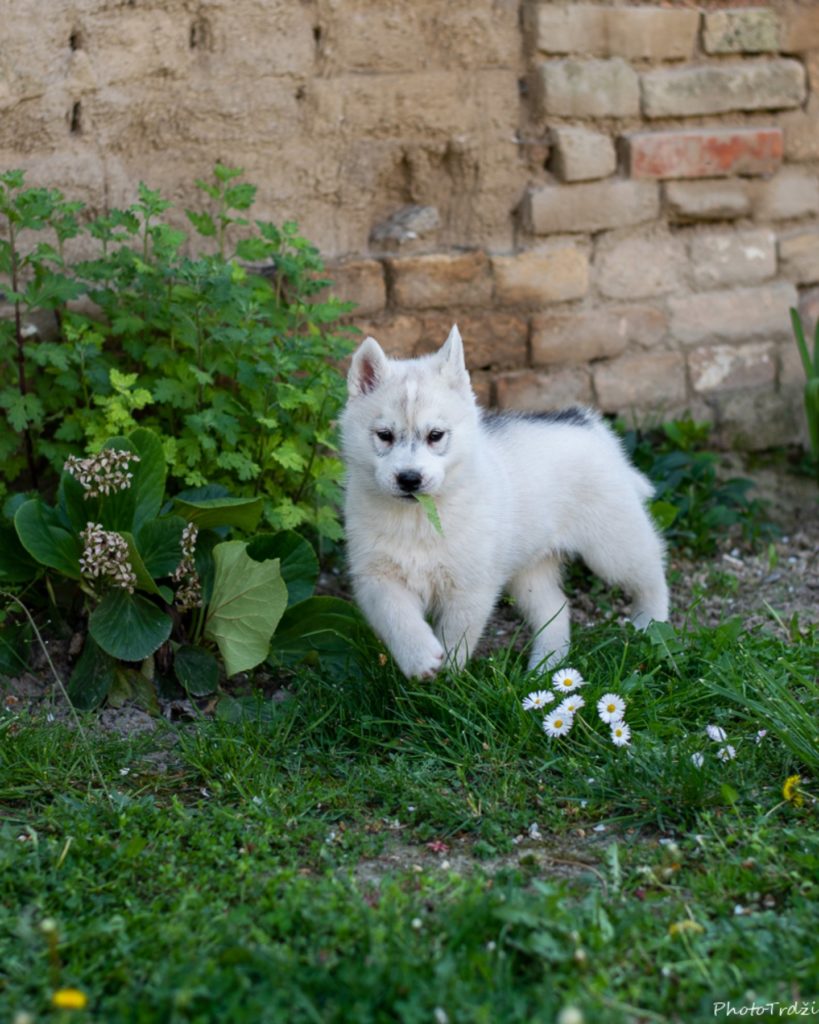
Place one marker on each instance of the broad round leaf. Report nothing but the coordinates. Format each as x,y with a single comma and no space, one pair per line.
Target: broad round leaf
160,544
196,669
211,512
247,602
16,564
129,626
92,677
298,562
45,538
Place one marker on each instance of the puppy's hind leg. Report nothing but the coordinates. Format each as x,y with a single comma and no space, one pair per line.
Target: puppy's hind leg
539,595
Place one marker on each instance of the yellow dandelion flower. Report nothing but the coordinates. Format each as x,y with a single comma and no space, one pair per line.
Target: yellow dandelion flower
69,999
686,925
790,790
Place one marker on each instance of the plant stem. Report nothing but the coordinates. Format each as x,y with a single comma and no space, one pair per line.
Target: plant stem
22,383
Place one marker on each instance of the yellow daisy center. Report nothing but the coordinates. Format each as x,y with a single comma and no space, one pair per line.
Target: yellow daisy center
558,723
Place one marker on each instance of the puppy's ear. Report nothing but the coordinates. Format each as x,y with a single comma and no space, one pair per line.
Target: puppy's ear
368,369
452,358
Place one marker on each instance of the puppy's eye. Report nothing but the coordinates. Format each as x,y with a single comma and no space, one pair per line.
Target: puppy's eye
386,436
434,436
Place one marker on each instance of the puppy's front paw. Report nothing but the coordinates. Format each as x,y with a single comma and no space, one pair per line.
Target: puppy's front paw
423,660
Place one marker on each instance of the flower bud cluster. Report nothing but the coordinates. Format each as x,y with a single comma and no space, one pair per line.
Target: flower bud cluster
104,473
189,595
105,554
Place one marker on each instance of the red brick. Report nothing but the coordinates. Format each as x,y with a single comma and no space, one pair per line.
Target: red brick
705,152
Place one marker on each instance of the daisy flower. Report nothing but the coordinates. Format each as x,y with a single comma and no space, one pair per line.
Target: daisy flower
726,753
570,705
537,699
620,733
557,723
567,679
715,733
697,759
611,707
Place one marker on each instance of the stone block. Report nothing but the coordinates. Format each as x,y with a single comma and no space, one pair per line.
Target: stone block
593,206
529,391
757,420
643,380
705,152
634,33
791,371
533,278
582,155
360,282
740,257
741,30
799,255
706,200
583,335
440,279
801,129
754,84
491,340
728,368
409,228
640,267
793,192
800,30
737,315
577,87
399,335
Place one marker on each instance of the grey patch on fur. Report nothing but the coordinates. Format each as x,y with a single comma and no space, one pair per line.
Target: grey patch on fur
572,417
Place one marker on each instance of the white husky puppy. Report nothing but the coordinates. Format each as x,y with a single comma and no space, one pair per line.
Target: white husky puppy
516,494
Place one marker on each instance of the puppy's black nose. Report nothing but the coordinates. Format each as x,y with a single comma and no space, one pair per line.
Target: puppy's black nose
409,481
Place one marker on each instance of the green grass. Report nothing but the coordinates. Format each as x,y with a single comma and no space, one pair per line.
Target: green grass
275,868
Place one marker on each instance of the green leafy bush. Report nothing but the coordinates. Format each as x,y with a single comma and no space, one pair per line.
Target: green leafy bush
160,585
229,356
692,505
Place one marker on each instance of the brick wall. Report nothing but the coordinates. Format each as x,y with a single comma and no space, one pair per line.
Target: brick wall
616,201
672,222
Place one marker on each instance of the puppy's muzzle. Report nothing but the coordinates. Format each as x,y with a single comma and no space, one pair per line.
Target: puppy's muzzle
409,481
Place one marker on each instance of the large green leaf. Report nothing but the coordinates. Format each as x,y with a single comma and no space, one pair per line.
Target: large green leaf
16,564
325,629
160,544
247,602
130,509
144,580
92,677
299,565
128,626
46,539
196,669
211,512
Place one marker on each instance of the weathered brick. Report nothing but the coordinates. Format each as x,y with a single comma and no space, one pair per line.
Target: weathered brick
705,152
720,258
358,281
737,315
583,155
441,279
801,128
590,207
635,33
799,255
728,368
800,31
540,392
640,267
490,339
587,88
642,380
716,89
793,192
791,371
706,200
743,30
756,420
549,275
583,335
399,336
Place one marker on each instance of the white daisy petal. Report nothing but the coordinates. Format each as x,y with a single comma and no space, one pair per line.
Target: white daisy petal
611,707
567,679
570,705
726,753
715,733
557,724
620,734
537,699
697,759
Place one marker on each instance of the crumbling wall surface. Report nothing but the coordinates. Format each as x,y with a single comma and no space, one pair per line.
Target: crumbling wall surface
618,201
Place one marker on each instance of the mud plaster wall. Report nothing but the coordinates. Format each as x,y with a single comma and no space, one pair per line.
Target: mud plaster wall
584,215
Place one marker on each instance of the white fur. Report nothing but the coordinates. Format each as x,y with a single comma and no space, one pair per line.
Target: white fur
517,496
